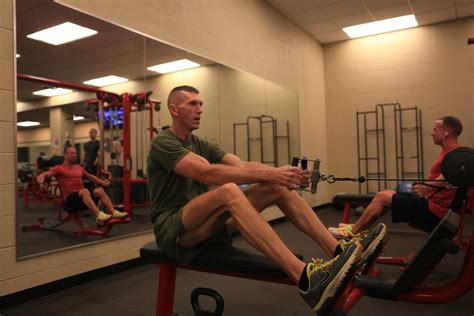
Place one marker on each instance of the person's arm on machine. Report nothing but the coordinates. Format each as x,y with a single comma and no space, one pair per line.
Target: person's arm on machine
232,169
101,182
42,177
422,190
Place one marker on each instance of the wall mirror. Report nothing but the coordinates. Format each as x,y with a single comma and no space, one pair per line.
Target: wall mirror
245,114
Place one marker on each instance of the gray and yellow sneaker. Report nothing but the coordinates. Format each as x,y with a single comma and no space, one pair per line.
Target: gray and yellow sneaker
327,277
102,217
369,243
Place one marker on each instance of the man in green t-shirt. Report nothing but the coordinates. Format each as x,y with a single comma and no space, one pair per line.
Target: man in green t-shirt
188,216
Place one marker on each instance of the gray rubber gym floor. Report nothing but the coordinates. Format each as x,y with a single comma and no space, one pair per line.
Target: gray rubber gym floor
133,292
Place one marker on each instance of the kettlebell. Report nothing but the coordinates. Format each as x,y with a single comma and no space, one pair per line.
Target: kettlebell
198,311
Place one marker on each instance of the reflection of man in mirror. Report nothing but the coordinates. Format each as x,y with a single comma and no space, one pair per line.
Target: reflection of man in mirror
69,176
90,159
41,162
117,150
188,216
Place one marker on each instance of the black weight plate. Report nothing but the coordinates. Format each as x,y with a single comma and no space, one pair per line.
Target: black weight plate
458,167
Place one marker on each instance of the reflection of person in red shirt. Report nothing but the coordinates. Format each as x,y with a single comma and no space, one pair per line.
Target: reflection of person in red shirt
76,197
426,205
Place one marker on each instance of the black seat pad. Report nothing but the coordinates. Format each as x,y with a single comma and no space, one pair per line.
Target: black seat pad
235,259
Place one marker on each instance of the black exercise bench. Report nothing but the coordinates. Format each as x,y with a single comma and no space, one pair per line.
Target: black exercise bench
230,261
351,200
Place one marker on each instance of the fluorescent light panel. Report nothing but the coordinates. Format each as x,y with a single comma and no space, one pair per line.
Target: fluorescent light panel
77,117
51,92
62,33
176,65
382,26
105,81
28,123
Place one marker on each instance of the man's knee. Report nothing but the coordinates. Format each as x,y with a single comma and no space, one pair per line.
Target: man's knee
99,192
384,197
230,191
84,193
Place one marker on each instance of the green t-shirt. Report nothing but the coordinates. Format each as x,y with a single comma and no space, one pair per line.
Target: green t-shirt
168,190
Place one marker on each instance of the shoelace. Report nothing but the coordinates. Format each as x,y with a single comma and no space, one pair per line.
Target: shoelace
318,264
344,243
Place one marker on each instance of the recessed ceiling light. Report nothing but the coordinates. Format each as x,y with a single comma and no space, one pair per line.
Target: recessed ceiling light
173,66
105,81
382,26
62,33
18,55
28,123
77,117
50,92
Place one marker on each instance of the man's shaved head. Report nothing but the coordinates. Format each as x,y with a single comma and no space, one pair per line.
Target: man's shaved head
176,94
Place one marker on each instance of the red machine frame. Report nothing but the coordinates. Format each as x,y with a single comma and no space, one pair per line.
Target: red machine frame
148,104
422,293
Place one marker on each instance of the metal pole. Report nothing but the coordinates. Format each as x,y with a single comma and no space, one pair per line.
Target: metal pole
358,149
127,159
101,135
366,154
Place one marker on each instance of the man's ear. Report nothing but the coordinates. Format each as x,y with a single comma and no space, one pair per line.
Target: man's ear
173,109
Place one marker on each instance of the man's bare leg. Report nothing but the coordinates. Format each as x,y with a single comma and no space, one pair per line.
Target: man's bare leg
104,199
296,210
205,214
88,201
376,209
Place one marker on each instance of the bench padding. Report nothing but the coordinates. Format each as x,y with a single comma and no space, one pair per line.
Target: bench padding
232,259
354,198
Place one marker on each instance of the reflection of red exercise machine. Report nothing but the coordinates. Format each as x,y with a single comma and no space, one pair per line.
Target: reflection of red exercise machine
73,215
29,186
130,103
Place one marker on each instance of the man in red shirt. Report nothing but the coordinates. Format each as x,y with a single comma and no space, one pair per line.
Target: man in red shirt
69,176
427,205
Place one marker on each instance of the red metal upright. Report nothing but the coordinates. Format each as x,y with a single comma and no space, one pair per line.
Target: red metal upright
151,121
166,286
127,157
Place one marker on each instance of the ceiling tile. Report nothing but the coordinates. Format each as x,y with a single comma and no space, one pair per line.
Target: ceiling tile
309,16
320,3
379,4
322,27
465,10
391,12
421,6
288,7
436,16
353,20
331,37
345,8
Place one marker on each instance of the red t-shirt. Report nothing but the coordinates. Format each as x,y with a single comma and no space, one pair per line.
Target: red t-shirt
69,178
440,201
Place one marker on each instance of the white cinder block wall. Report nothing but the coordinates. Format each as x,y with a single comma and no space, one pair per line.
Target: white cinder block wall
431,67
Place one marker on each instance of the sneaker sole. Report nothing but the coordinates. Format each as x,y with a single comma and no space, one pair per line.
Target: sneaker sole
334,286
372,258
373,245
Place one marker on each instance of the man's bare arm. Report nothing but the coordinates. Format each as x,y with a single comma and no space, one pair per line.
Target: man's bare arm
234,170
96,180
423,190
